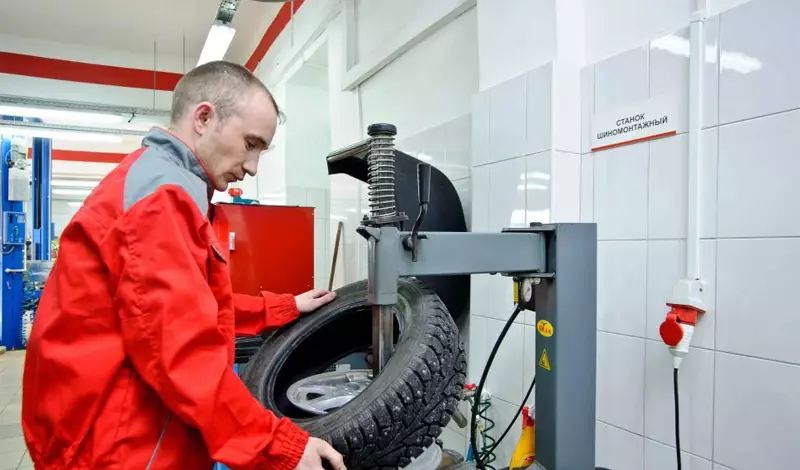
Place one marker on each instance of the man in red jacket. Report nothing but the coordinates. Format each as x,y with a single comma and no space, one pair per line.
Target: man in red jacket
129,365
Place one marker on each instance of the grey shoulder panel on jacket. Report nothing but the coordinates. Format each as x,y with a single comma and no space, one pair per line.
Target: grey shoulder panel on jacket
154,169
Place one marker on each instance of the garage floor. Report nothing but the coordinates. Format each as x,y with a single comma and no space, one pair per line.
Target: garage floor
13,454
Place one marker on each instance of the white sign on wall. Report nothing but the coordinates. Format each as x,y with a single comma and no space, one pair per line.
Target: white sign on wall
646,120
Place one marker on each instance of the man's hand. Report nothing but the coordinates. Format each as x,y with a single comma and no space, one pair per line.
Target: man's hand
316,450
309,301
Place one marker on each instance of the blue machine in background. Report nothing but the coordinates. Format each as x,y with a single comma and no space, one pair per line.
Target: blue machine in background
14,192
41,199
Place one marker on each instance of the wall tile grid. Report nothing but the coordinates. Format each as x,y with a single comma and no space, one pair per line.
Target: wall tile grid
523,156
739,385
526,167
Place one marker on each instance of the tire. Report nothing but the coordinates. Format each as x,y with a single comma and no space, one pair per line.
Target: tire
404,409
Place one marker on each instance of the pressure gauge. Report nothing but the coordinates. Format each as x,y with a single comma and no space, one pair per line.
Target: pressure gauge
527,290
526,298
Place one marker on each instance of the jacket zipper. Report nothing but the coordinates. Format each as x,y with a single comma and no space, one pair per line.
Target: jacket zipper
158,443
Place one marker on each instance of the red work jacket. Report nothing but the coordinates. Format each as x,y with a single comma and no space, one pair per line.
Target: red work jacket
129,364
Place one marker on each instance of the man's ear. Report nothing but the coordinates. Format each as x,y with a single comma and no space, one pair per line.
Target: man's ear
202,114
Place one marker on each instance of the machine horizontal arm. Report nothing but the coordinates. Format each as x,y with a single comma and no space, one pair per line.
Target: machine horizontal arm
446,253
475,253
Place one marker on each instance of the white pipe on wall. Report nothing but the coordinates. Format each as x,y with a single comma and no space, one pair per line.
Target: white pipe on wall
687,297
696,65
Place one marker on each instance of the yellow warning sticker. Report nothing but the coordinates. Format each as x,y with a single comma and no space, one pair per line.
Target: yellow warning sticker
545,328
544,361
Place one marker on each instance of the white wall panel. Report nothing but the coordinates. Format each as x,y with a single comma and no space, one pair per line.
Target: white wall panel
617,448
759,70
758,177
430,84
658,456
715,7
620,381
377,21
621,80
760,396
308,139
614,26
669,71
516,36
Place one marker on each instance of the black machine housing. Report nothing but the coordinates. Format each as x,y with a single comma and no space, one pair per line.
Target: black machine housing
445,213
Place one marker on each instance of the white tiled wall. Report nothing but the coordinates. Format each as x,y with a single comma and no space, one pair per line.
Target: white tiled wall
526,167
523,156
739,385
426,92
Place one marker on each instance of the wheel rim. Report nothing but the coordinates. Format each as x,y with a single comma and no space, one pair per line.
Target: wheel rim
320,394
285,393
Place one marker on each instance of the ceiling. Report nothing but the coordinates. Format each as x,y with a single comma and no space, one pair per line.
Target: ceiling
134,25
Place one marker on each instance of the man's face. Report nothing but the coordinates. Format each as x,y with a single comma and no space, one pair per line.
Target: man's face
230,150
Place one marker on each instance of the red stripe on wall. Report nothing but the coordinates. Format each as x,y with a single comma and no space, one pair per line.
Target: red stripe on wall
634,141
58,69
84,156
275,28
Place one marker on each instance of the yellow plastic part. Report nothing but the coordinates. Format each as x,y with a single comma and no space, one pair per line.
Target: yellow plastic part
525,453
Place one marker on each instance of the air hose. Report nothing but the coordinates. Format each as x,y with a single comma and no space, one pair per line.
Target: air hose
479,462
519,410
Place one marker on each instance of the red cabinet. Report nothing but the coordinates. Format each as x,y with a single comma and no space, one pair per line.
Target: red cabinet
270,247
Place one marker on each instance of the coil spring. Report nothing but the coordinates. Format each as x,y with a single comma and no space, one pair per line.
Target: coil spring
380,177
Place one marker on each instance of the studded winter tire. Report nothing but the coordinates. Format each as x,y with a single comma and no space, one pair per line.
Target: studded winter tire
403,410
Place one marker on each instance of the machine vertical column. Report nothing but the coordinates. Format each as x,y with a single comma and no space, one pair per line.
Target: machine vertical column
12,261
565,350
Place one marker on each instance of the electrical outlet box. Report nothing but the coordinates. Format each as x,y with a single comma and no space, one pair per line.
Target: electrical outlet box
14,228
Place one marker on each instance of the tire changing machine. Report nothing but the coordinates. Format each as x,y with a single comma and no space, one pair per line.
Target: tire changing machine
556,269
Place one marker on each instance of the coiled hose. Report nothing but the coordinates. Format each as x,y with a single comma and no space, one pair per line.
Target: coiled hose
479,391
488,443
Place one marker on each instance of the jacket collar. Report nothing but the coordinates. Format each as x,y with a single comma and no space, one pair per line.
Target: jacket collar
177,151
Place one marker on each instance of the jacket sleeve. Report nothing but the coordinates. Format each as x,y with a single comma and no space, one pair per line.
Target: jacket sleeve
255,314
169,320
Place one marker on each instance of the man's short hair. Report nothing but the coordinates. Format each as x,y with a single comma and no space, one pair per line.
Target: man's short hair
222,84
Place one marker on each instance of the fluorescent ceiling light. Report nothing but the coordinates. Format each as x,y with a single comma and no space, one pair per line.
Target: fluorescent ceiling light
64,135
60,114
74,183
217,42
72,192
74,204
